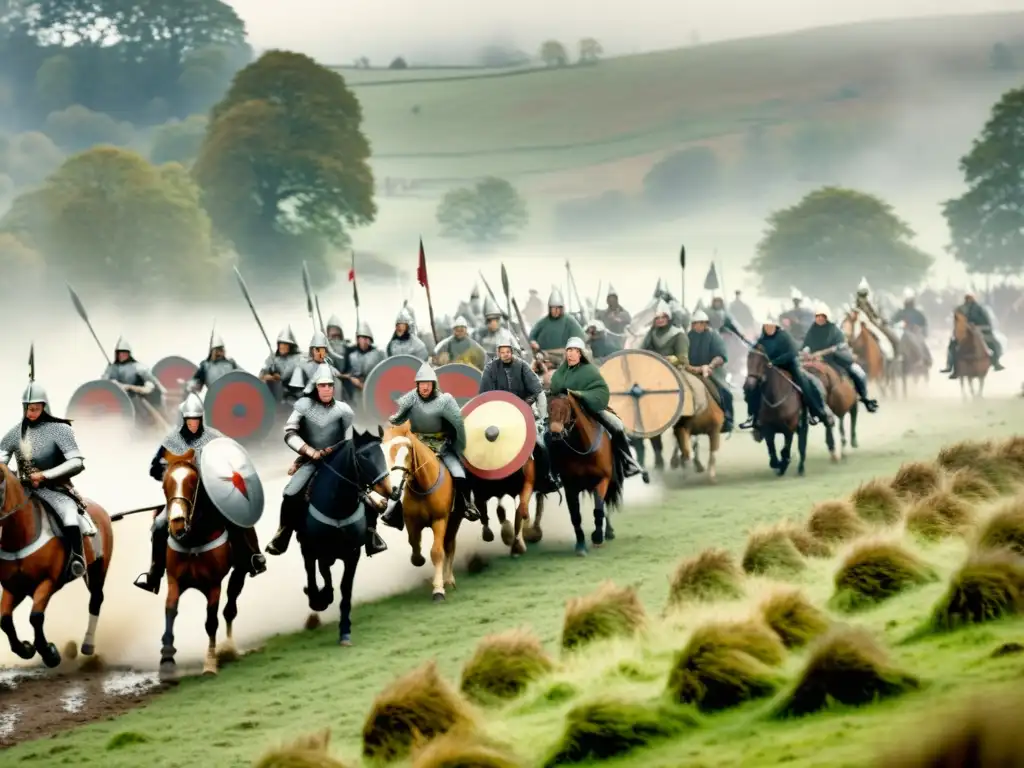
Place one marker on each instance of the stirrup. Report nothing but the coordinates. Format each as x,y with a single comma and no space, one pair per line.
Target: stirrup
144,582
257,564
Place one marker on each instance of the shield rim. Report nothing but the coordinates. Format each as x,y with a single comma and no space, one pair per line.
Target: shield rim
110,386
531,430
269,414
648,434
369,408
177,360
478,375
255,472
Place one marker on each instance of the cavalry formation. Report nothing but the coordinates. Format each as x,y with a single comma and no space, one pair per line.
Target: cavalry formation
498,408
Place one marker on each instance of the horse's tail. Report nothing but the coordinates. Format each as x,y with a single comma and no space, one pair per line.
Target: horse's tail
613,498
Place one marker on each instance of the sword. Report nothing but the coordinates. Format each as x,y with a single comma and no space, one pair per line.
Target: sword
255,314
85,319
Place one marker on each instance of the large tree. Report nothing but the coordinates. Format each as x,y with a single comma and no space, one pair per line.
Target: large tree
109,218
830,239
492,209
285,155
986,223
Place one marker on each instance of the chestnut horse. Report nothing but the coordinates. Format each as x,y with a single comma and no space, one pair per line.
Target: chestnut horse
198,557
425,490
867,350
841,398
971,359
780,410
32,562
582,454
519,485
709,421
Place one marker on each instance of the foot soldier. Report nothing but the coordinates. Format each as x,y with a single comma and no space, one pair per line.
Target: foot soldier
48,457
362,359
460,347
615,318
318,426
339,345
551,332
582,379
601,342
216,364
278,368
301,379
708,356
977,316
508,373
404,341
137,380
824,340
782,353
193,435
434,417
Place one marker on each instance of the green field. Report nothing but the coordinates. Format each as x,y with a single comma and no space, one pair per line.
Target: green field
299,683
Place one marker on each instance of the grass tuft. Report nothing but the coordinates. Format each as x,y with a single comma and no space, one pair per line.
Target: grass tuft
988,587
835,521
1005,528
457,750
310,751
792,617
915,480
877,503
965,453
771,551
711,575
608,612
971,486
503,665
875,571
805,542
940,514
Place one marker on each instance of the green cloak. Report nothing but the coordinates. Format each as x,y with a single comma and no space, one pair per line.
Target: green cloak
553,333
583,380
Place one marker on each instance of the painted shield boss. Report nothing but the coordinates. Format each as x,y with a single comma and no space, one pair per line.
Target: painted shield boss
501,432
646,391
230,480
241,406
460,380
389,380
100,399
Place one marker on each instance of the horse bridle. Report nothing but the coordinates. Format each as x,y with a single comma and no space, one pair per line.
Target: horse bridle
363,490
764,376
396,493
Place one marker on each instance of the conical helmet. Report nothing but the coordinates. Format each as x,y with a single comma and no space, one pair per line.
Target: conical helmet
192,408
426,373
34,393
863,287
363,329
323,375
576,343
475,293
503,338
460,322
334,322
319,340
216,342
699,316
285,336
491,309
612,291
122,345
555,299
662,308
404,316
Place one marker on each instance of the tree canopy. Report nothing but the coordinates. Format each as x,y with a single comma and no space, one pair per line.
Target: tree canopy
986,223
832,238
490,210
285,155
107,217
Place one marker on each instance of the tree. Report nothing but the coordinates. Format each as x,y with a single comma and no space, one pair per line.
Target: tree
77,128
490,210
553,54
285,155
398,63
986,223
832,238
178,141
590,51
682,180
109,218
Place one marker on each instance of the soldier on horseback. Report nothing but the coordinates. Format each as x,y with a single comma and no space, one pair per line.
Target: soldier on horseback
192,435
216,364
680,316
306,369
579,377
978,317
910,314
601,342
403,341
434,417
798,319
362,358
553,331
707,358
280,366
134,378
741,313
782,352
614,316
48,457
825,340
318,426
460,347
508,373
666,339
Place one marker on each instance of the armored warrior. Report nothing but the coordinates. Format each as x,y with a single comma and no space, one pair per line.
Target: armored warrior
666,339
582,379
826,341
615,318
434,417
280,366
362,359
798,319
193,435
459,347
553,331
741,314
338,347
707,358
679,315
863,303
48,457
133,377
718,316
307,368
489,334
782,352
216,364
601,342
472,310
910,314
403,341
318,426
977,316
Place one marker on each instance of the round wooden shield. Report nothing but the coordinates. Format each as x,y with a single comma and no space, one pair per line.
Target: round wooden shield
460,380
389,380
101,399
646,391
241,406
501,432
174,372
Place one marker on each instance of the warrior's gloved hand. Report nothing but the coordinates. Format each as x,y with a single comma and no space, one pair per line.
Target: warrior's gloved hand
673,359
393,419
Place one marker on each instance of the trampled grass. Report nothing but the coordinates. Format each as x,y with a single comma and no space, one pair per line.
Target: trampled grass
304,682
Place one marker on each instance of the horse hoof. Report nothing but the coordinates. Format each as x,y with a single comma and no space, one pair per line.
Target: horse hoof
50,655
438,597
168,670
25,651
88,649
506,533
800,471
418,560
609,534
834,458
209,670
581,550
533,535
518,548
674,463
345,641
488,535
597,538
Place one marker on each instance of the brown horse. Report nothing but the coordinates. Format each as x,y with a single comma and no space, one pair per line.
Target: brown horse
426,493
582,455
867,349
709,421
780,410
841,398
32,561
913,357
198,557
971,360
519,485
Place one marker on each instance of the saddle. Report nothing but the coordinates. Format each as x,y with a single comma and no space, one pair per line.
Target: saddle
85,522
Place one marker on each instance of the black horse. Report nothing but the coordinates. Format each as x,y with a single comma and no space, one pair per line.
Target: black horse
335,526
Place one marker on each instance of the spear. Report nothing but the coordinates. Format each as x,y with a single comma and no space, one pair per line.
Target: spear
319,317
490,292
255,314
421,277
309,295
505,288
32,362
85,319
355,287
513,305
572,284
682,268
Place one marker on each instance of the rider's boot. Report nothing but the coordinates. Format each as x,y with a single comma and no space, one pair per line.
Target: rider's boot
279,544
394,517
465,499
629,464
861,385
76,556
950,362
996,365
374,543
158,562
253,560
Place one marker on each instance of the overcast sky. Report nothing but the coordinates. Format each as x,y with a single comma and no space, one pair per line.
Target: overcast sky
338,31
